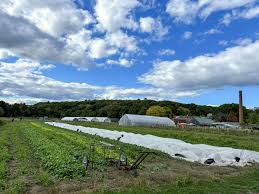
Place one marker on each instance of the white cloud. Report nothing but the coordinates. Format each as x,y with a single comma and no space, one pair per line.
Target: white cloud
31,86
59,31
59,17
223,42
145,92
4,53
20,99
212,31
151,25
166,52
30,83
147,24
62,32
182,10
122,62
236,66
121,40
23,39
239,41
187,11
249,13
187,35
100,49
113,15
242,41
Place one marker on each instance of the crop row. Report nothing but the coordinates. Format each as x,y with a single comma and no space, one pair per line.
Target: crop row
85,140
58,157
61,152
58,151
4,156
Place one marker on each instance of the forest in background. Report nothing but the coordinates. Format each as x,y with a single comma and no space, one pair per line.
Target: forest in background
117,108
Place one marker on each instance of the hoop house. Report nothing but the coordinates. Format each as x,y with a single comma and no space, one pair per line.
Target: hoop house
88,119
70,118
142,120
101,119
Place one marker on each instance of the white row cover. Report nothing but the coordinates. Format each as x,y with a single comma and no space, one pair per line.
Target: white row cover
143,120
89,119
204,154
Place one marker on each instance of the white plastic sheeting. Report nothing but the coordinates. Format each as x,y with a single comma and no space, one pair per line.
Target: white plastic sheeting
89,119
221,156
101,119
69,118
143,120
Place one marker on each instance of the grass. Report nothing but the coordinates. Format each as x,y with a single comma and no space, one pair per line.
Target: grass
216,137
39,158
5,157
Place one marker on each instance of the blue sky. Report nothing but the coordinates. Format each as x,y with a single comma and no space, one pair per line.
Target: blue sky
191,51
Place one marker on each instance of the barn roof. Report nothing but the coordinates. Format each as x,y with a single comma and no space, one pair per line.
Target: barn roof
203,120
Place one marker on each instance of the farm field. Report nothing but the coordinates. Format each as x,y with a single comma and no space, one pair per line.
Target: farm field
216,137
37,158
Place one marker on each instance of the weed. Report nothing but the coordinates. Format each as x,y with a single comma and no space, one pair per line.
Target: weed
44,178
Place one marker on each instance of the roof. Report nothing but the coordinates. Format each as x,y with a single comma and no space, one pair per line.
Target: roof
182,119
95,119
203,120
146,120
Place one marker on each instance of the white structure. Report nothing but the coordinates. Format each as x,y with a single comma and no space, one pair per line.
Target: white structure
224,125
204,154
101,119
143,120
88,119
69,118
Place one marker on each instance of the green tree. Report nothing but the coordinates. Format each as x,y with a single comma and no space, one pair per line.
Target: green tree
158,111
253,118
182,111
1,112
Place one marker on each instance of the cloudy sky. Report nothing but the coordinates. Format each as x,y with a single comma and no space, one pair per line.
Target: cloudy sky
200,51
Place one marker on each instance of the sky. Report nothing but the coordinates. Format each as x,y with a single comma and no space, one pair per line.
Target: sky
189,51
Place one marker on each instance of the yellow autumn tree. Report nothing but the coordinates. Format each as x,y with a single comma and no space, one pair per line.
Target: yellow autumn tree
158,111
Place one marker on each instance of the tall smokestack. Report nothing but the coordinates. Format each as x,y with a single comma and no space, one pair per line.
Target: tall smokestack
241,113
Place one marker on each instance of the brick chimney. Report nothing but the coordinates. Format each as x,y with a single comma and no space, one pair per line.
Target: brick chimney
241,113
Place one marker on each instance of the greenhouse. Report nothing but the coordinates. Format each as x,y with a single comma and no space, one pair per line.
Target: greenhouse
101,119
88,119
143,120
70,118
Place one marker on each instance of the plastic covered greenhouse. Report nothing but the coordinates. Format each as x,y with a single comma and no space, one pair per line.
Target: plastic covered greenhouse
88,119
101,119
143,120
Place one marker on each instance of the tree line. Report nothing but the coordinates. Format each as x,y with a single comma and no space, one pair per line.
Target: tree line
117,108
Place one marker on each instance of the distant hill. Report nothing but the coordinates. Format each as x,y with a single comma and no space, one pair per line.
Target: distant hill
116,108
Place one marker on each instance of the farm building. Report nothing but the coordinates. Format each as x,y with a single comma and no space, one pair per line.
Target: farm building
182,119
88,119
142,120
202,121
